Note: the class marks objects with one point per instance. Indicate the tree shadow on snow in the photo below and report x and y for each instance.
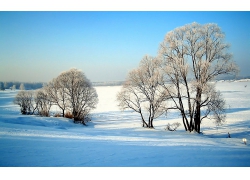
(233, 110)
(236, 130)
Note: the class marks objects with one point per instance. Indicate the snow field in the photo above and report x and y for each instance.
(116, 139)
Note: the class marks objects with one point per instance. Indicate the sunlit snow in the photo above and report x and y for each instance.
(114, 138)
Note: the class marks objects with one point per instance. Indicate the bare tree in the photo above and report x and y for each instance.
(26, 102)
(57, 94)
(198, 52)
(13, 87)
(129, 98)
(43, 102)
(141, 91)
(80, 94)
(22, 87)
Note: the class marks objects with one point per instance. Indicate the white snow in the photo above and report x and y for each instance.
(116, 139)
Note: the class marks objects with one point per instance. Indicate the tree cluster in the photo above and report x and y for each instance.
(71, 91)
(21, 85)
(193, 51)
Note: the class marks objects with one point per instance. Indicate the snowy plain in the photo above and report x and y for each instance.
(116, 139)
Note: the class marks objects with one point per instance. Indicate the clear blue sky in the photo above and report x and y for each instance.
(37, 46)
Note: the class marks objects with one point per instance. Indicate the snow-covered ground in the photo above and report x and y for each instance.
(116, 139)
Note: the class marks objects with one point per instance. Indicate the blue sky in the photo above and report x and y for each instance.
(105, 45)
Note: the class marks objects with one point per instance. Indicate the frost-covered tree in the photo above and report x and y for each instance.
(43, 102)
(22, 87)
(141, 91)
(25, 99)
(197, 52)
(13, 87)
(82, 97)
(57, 94)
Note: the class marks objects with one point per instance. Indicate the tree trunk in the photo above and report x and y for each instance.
(197, 122)
(197, 118)
(149, 117)
(143, 121)
(183, 120)
(151, 122)
(63, 113)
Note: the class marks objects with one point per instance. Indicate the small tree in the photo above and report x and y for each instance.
(13, 87)
(142, 91)
(22, 87)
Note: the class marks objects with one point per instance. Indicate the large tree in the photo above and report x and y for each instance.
(192, 56)
(82, 97)
(142, 92)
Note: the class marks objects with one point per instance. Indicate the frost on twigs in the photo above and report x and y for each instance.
(74, 94)
(142, 91)
(71, 91)
(192, 56)
(173, 126)
(25, 99)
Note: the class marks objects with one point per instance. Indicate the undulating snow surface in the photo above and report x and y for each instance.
(116, 139)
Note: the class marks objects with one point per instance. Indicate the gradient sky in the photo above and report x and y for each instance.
(37, 46)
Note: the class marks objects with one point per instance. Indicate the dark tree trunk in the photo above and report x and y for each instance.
(149, 118)
(197, 117)
(63, 113)
(151, 123)
(184, 123)
(192, 124)
(143, 121)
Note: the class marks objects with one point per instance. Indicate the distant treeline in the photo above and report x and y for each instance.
(119, 83)
(108, 83)
(27, 85)
(230, 77)
(38, 85)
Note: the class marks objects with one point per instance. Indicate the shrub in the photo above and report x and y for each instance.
(68, 115)
(172, 127)
(57, 115)
(44, 113)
